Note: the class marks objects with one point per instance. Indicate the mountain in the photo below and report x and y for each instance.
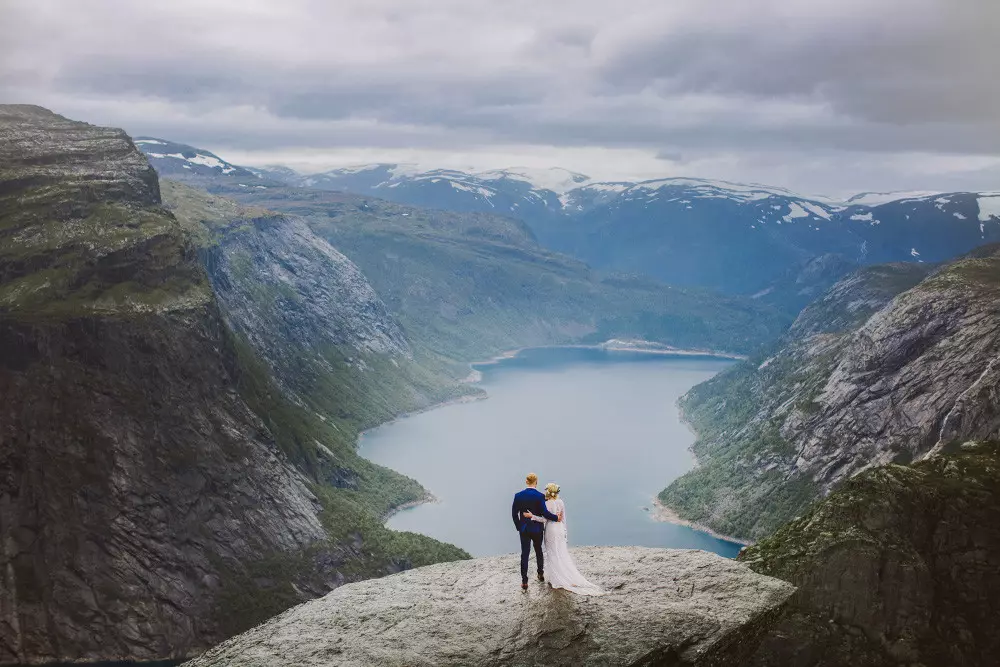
(518, 191)
(740, 239)
(160, 491)
(900, 566)
(804, 282)
(891, 365)
(510, 291)
(312, 317)
(183, 162)
(733, 237)
(663, 607)
(467, 286)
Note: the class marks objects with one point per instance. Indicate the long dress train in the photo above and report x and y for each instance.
(560, 570)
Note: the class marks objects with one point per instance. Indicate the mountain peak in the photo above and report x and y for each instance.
(173, 159)
(554, 179)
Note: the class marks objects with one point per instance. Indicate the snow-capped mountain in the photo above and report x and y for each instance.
(736, 237)
(529, 194)
(741, 238)
(731, 236)
(175, 160)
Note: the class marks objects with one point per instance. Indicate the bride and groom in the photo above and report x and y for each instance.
(540, 520)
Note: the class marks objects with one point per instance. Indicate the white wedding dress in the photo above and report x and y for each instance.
(560, 570)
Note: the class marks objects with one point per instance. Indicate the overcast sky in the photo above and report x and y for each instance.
(822, 96)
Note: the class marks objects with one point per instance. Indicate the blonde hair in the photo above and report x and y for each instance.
(552, 490)
(531, 479)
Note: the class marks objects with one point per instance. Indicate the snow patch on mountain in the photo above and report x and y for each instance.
(877, 198)
(204, 160)
(794, 211)
(818, 211)
(210, 161)
(989, 206)
(553, 179)
(481, 191)
(744, 192)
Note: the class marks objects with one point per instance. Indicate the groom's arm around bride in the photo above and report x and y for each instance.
(528, 503)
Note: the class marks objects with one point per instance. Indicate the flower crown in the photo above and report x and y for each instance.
(552, 489)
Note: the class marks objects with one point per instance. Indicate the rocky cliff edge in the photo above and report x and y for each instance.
(663, 607)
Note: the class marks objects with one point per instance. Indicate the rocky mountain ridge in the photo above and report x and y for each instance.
(891, 364)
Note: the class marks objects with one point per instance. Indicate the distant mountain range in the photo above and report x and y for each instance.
(737, 238)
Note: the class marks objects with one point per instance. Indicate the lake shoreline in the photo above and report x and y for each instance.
(468, 398)
(616, 345)
(659, 512)
(475, 376)
(613, 345)
(428, 497)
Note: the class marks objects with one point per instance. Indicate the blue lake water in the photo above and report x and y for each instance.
(602, 424)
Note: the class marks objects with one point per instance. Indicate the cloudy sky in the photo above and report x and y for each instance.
(823, 96)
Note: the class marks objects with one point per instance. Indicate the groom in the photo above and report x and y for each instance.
(527, 503)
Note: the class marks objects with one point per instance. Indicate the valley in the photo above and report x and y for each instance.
(190, 349)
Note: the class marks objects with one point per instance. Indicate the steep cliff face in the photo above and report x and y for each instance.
(78, 209)
(864, 378)
(663, 608)
(326, 337)
(900, 566)
(158, 489)
(130, 466)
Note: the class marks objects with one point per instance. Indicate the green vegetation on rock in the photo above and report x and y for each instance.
(900, 565)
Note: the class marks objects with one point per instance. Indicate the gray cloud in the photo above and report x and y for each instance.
(724, 84)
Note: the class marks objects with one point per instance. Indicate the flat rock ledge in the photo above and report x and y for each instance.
(663, 607)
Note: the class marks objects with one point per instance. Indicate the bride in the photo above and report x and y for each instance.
(559, 566)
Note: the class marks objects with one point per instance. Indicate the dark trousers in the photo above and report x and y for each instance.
(527, 539)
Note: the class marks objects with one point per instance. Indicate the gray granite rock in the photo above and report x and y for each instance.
(663, 607)
(889, 366)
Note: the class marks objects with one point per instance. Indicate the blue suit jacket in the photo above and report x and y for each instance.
(532, 500)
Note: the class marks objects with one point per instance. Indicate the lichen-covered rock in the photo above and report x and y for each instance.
(900, 566)
(81, 229)
(663, 607)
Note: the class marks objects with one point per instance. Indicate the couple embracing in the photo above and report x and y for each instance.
(540, 520)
